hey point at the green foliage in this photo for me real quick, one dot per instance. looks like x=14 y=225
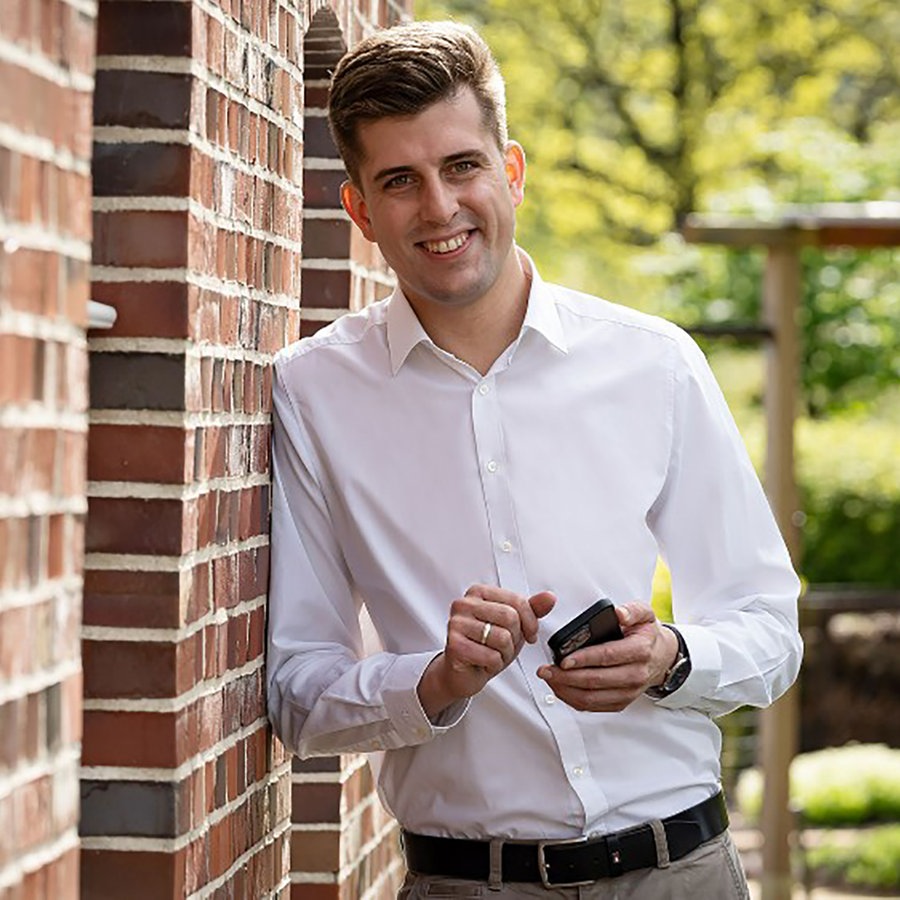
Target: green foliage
x=849 y=785
x=870 y=860
x=644 y=110
x=635 y=114
x=850 y=493
x=849 y=316
x=848 y=477
x=661 y=597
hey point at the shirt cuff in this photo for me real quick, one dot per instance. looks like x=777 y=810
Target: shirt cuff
x=706 y=668
x=401 y=701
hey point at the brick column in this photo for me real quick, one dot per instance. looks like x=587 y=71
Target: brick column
x=46 y=66
x=198 y=198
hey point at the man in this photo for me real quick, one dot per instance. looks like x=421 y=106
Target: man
x=476 y=460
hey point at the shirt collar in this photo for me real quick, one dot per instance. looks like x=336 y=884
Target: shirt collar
x=542 y=315
x=404 y=331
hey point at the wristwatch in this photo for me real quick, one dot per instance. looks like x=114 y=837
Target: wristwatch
x=676 y=674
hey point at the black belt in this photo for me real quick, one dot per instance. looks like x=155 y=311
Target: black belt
x=567 y=862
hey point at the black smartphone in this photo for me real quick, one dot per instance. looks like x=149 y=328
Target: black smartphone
x=595 y=625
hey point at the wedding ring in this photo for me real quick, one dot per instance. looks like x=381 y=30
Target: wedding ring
x=485 y=632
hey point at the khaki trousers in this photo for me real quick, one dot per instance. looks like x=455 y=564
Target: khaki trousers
x=712 y=872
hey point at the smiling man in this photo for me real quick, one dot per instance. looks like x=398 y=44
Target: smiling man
x=476 y=460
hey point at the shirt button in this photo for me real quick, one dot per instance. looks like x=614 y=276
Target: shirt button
x=549 y=699
x=577 y=771
x=484 y=389
x=506 y=547
x=492 y=465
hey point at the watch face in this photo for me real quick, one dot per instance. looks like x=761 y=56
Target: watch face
x=678 y=675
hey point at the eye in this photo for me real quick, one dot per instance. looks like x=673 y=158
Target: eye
x=464 y=166
x=398 y=181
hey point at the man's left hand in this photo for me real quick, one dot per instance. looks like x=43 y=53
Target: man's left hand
x=608 y=677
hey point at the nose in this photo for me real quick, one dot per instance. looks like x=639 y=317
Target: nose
x=438 y=202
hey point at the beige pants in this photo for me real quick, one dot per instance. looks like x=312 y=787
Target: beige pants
x=712 y=872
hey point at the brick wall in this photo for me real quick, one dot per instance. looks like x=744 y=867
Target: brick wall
x=215 y=211
x=46 y=68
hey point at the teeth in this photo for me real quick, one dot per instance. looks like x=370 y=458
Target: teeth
x=446 y=246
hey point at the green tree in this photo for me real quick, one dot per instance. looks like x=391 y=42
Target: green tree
x=642 y=110
x=635 y=114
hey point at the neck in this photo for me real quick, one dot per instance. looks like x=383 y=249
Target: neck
x=479 y=332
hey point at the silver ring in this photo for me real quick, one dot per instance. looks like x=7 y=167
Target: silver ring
x=485 y=631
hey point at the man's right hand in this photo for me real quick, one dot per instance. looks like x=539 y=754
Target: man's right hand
x=474 y=653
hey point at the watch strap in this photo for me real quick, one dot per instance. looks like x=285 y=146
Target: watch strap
x=677 y=673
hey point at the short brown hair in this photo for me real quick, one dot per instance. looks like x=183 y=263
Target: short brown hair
x=403 y=70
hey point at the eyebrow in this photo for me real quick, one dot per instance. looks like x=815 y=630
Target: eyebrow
x=452 y=158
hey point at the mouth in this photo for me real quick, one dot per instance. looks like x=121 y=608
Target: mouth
x=448 y=245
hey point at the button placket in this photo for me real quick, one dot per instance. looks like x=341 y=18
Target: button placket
x=489 y=447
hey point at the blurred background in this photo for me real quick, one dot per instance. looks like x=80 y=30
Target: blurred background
x=634 y=116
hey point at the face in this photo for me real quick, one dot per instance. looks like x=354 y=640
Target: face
x=439 y=198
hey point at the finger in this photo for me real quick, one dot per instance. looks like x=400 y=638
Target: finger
x=608 y=698
x=491 y=625
x=500 y=606
x=497 y=639
x=492 y=593
x=538 y=606
x=635 y=613
x=628 y=678
x=635 y=647
x=462 y=651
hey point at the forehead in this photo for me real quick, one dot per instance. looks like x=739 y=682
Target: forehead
x=443 y=129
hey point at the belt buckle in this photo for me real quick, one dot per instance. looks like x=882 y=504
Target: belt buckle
x=542 y=863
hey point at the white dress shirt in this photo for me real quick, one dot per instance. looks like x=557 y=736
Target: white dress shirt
x=598 y=441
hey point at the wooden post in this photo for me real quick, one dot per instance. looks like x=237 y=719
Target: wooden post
x=778 y=725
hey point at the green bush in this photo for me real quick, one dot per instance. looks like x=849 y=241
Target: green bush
x=850 y=494
x=849 y=785
x=870 y=860
x=848 y=478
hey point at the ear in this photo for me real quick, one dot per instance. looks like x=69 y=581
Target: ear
x=355 y=204
x=514 y=165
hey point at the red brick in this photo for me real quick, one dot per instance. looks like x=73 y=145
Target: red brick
x=128 y=525
x=132 y=599
x=136 y=170
x=149 y=876
x=315 y=851
x=72 y=463
x=127 y=27
x=125 y=738
x=138 y=381
x=57 y=563
x=315 y=892
x=17 y=362
x=32 y=811
x=326 y=238
x=315 y=803
x=137 y=453
x=141 y=239
x=158 y=309
x=325 y=288
x=15 y=638
x=308 y=327
x=62 y=875
x=129 y=669
x=71 y=723
x=142 y=99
